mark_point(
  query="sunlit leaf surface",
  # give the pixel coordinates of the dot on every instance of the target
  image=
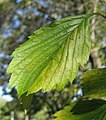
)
(52, 55)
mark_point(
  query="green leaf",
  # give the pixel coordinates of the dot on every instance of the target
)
(83, 110)
(94, 83)
(51, 56)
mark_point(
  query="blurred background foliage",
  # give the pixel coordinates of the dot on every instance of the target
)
(20, 18)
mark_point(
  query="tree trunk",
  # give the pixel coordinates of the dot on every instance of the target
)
(94, 53)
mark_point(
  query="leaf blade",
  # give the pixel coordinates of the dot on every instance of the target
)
(51, 56)
(94, 83)
(83, 110)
